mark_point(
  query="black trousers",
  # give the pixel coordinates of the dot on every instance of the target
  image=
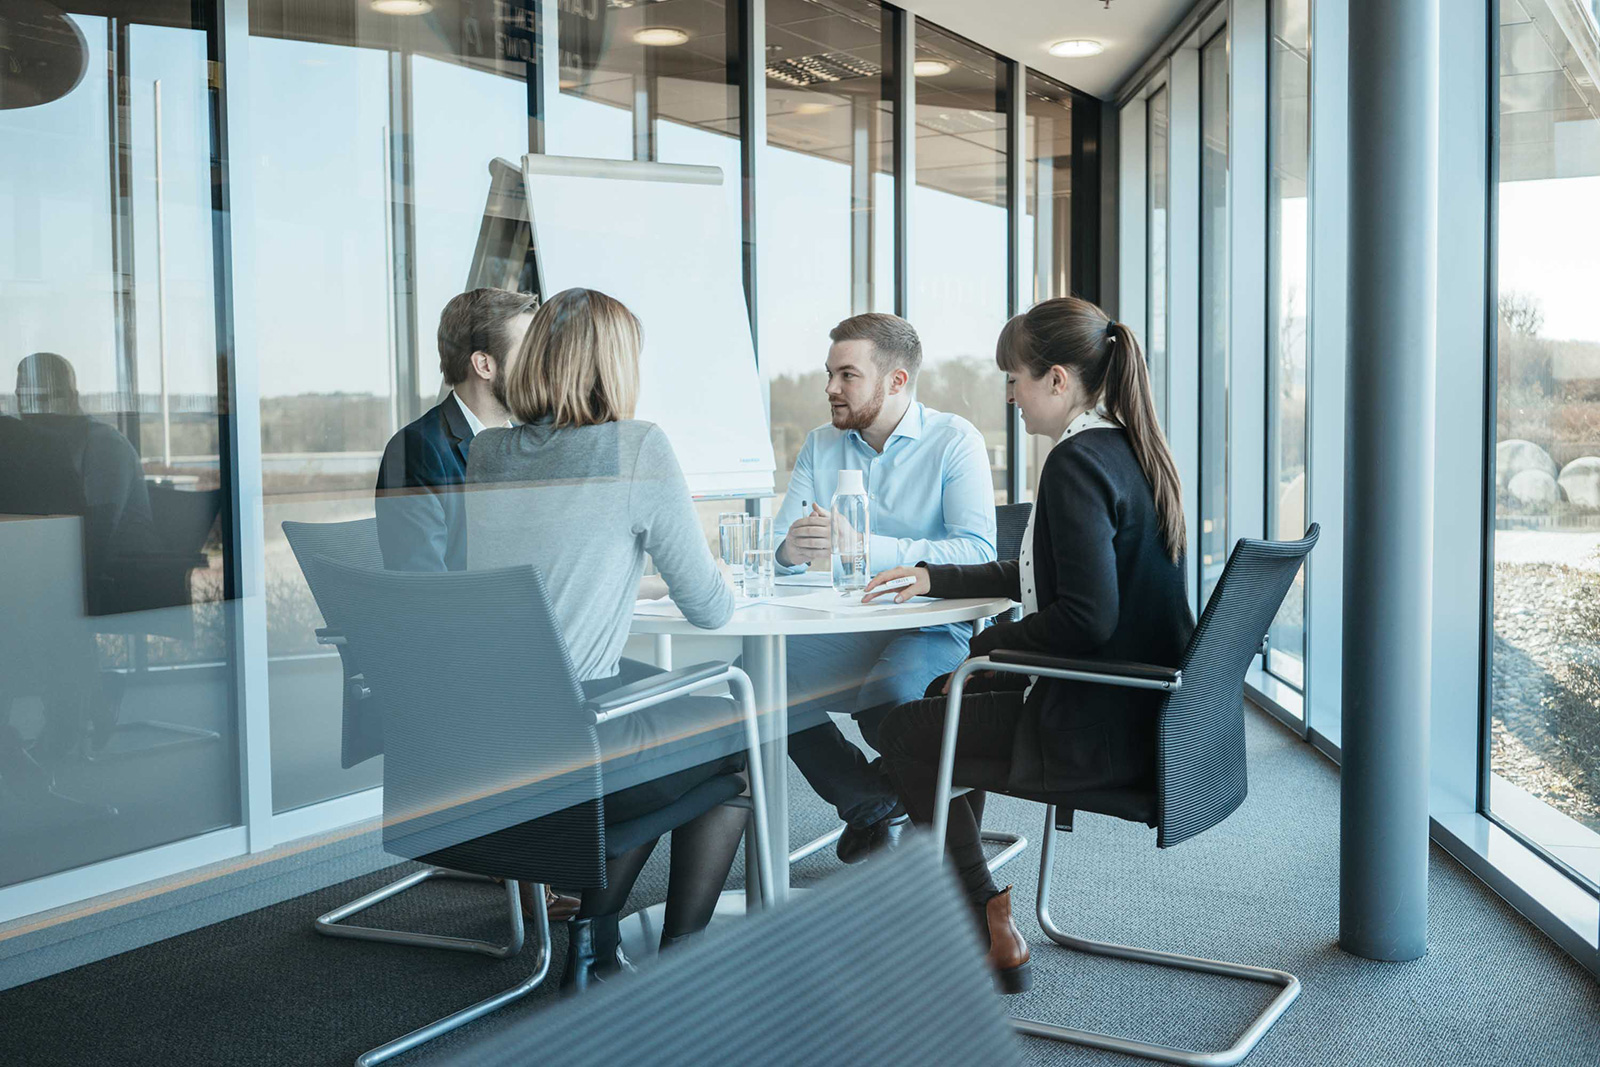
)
(910, 739)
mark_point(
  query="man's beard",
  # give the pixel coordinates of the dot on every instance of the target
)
(497, 385)
(860, 418)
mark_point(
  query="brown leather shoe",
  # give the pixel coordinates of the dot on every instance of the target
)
(1008, 953)
(560, 908)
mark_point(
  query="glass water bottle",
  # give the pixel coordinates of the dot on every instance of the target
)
(851, 534)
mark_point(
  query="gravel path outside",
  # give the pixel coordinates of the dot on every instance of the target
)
(1546, 674)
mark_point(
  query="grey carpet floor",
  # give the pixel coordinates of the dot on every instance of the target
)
(1262, 888)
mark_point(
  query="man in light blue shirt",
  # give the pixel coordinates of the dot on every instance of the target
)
(931, 499)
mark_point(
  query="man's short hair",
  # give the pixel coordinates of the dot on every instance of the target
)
(894, 340)
(476, 321)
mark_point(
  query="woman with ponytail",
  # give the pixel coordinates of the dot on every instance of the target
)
(1100, 576)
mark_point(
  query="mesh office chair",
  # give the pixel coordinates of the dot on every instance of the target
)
(1200, 768)
(1011, 522)
(494, 770)
(355, 543)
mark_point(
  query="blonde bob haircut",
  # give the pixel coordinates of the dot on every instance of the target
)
(578, 362)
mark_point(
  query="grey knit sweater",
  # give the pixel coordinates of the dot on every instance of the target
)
(584, 505)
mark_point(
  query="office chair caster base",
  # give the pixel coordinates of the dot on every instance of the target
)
(332, 925)
(1289, 985)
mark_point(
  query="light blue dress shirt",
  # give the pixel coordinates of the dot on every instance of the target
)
(931, 498)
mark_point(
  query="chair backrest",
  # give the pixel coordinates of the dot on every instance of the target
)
(491, 762)
(355, 543)
(1200, 761)
(1010, 523)
(770, 988)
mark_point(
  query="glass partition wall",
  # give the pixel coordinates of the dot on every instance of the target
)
(1288, 304)
(364, 139)
(118, 727)
(1543, 738)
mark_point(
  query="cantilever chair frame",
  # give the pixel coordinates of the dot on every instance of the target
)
(659, 690)
(1289, 985)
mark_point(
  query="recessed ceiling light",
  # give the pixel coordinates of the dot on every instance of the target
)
(930, 68)
(660, 36)
(1078, 48)
(812, 107)
(402, 7)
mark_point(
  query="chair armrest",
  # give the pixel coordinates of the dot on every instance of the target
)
(331, 635)
(1103, 671)
(682, 680)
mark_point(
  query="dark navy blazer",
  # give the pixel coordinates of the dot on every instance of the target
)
(422, 515)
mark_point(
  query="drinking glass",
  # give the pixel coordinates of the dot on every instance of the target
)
(759, 559)
(730, 532)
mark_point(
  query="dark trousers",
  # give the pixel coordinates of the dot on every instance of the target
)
(866, 676)
(909, 739)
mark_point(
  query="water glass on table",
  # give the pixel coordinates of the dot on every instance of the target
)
(730, 533)
(759, 556)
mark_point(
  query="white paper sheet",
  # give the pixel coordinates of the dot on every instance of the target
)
(828, 600)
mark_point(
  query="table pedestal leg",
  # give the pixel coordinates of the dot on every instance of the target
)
(766, 662)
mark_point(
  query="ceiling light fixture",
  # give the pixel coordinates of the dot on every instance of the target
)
(660, 36)
(930, 68)
(812, 107)
(402, 7)
(1078, 48)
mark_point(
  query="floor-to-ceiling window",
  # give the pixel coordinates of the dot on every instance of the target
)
(1288, 301)
(117, 721)
(826, 234)
(1213, 487)
(1158, 192)
(958, 241)
(1047, 240)
(1544, 738)
(372, 139)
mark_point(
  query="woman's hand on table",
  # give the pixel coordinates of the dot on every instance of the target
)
(919, 586)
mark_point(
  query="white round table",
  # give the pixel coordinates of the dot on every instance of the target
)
(765, 629)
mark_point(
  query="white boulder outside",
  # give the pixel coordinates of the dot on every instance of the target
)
(1580, 479)
(1515, 456)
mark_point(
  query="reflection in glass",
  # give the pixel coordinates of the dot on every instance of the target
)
(958, 244)
(117, 724)
(827, 199)
(1288, 296)
(1545, 710)
(1047, 228)
(1213, 488)
(1157, 195)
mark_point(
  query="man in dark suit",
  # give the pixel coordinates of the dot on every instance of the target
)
(421, 512)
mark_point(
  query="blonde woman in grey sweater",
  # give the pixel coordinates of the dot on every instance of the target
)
(583, 491)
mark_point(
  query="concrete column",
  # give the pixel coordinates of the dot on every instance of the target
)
(1388, 498)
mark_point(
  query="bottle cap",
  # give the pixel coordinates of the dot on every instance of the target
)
(851, 483)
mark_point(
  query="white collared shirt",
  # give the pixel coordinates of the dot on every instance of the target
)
(474, 423)
(1093, 419)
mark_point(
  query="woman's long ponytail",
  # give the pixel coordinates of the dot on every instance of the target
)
(1066, 331)
(1129, 399)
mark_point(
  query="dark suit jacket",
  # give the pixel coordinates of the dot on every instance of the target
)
(1107, 590)
(422, 516)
